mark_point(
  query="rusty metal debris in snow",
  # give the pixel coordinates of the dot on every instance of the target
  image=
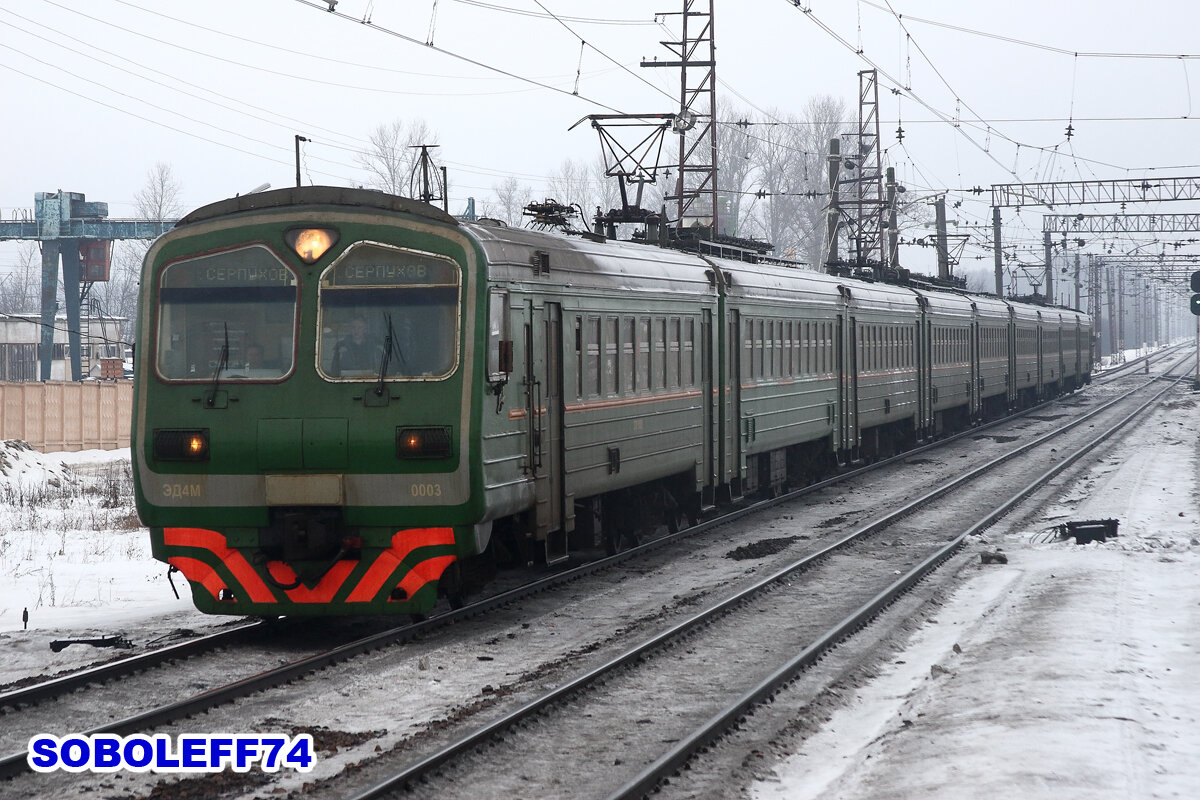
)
(104, 641)
(1090, 530)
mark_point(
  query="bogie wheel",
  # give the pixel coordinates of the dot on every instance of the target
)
(618, 539)
(677, 520)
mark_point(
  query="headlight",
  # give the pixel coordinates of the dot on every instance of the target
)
(311, 243)
(181, 445)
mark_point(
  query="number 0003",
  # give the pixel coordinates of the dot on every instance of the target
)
(426, 490)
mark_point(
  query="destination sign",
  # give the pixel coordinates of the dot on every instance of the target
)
(249, 266)
(367, 265)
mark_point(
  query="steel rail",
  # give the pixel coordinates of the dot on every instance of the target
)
(671, 762)
(423, 767)
(1126, 367)
(65, 684)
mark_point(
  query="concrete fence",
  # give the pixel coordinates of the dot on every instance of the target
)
(67, 416)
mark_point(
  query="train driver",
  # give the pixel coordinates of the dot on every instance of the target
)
(354, 353)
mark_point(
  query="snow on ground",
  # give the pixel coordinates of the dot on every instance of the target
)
(1071, 672)
(73, 554)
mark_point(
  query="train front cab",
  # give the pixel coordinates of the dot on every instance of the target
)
(279, 470)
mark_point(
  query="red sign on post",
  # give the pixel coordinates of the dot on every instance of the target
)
(95, 259)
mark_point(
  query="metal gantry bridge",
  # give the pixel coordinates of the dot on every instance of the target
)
(79, 232)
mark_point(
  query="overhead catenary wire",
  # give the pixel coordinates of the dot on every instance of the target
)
(1035, 45)
(325, 9)
(258, 44)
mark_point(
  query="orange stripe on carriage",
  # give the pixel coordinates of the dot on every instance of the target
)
(196, 571)
(233, 560)
(323, 592)
(403, 543)
(430, 569)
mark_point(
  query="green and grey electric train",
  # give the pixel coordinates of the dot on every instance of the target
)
(348, 402)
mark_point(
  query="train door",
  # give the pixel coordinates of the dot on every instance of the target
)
(847, 383)
(922, 371)
(554, 516)
(708, 403)
(1060, 359)
(1041, 377)
(1010, 349)
(733, 414)
(921, 364)
(976, 366)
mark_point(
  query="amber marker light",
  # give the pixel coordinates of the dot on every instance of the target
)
(311, 243)
(173, 445)
(423, 442)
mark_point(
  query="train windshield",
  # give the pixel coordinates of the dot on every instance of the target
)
(234, 310)
(391, 312)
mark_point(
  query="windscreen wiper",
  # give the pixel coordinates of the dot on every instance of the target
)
(390, 345)
(222, 363)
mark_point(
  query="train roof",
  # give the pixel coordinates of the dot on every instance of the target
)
(627, 265)
(585, 263)
(315, 196)
(767, 281)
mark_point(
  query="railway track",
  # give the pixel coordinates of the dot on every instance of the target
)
(688, 648)
(291, 671)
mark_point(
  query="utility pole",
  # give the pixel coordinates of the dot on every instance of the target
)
(999, 254)
(943, 247)
(1112, 312)
(1120, 343)
(893, 236)
(299, 139)
(1049, 282)
(833, 217)
(696, 123)
(1095, 305)
(1078, 284)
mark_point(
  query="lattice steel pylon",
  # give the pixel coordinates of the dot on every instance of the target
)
(696, 177)
(868, 205)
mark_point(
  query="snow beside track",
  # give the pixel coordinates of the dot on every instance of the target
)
(1068, 673)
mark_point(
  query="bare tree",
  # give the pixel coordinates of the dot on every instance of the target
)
(569, 185)
(780, 177)
(20, 287)
(159, 200)
(736, 149)
(393, 153)
(583, 184)
(979, 279)
(824, 119)
(511, 198)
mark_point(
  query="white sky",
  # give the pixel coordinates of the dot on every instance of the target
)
(218, 89)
